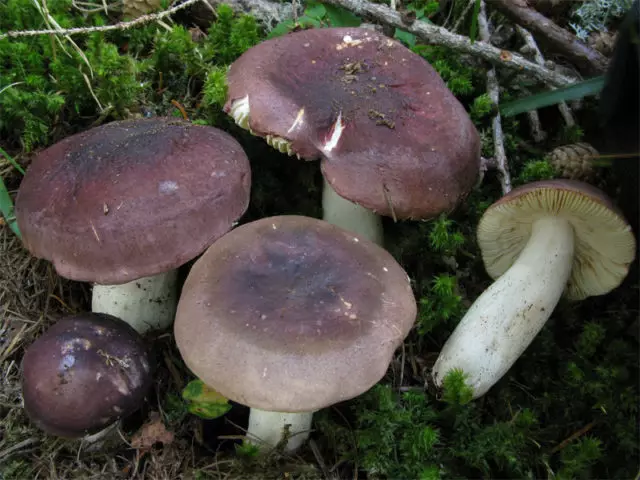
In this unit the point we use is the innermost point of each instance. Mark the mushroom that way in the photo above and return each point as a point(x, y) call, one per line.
point(125, 204)
point(288, 315)
point(538, 242)
point(83, 374)
point(392, 139)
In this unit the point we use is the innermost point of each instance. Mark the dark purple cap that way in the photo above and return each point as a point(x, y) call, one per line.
point(84, 373)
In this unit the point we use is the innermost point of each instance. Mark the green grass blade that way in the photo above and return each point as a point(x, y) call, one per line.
point(10, 159)
point(6, 207)
point(553, 97)
point(473, 32)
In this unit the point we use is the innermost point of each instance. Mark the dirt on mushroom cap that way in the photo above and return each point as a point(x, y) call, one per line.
point(133, 198)
point(392, 137)
point(305, 313)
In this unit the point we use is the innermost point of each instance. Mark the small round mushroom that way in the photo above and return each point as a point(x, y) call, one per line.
point(540, 241)
point(125, 204)
point(392, 139)
point(289, 315)
point(83, 374)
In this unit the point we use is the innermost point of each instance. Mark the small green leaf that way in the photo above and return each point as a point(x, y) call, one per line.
point(405, 37)
point(198, 391)
point(208, 411)
point(307, 22)
point(204, 401)
point(281, 29)
point(315, 10)
point(577, 90)
point(340, 17)
point(193, 390)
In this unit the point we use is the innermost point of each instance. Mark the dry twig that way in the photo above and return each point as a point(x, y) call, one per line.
point(493, 89)
point(532, 46)
point(573, 436)
point(537, 131)
point(435, 35)
point(118, 26)
point(590, 61)
point(462, 16)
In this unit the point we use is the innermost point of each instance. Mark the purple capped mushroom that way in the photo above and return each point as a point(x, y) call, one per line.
point(391, 137)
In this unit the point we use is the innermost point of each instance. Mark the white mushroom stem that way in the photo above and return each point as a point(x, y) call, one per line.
point(148, 303)
point(350, 216)
point(505, 319)
point(267, 429)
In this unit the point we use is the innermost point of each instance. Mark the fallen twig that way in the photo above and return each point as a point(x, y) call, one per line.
point(493, 89)
point(588, 60)
point(17, 447)
point(531, 45)
point(462, 16)
point(104, 28)
point(537, 131)
point(435, 35)
point(573, 436)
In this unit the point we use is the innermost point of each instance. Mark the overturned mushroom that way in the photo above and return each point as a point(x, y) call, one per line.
point(125, 204)
point(393, 139)
point(540, 241)
point(83, 374)
point(290, 314)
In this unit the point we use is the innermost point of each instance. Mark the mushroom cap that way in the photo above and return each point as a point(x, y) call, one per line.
point(604, 242)
point(133, 198)
point(292, 314)
point(391, 135)
point(84, 373)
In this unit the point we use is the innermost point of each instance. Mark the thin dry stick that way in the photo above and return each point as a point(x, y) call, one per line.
point(572, 437)
point(118, 26)
point(493, 89)
point(466, 10)
point(18, 446)
point(537, 132)
point(531, 44)
point(589, 60)
point(435, 35)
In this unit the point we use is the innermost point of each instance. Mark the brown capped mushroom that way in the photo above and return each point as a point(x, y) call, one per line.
point(392, 138)
point(291, 314)
point(540, 241)
point(125, 204)
point(83, 374)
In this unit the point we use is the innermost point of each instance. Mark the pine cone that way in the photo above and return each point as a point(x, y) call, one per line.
point(574, 161)
point(136, 8)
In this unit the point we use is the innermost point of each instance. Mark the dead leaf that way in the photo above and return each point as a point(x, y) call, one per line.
point(152, 432)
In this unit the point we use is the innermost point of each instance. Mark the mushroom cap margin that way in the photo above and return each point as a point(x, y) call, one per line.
point(293, 314)
point(132, 198)
point(604, 242)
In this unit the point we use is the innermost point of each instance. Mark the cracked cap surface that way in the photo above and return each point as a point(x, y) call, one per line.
point(131, 199)
point(390, 134)
point(604, 242)
point(293, 314)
